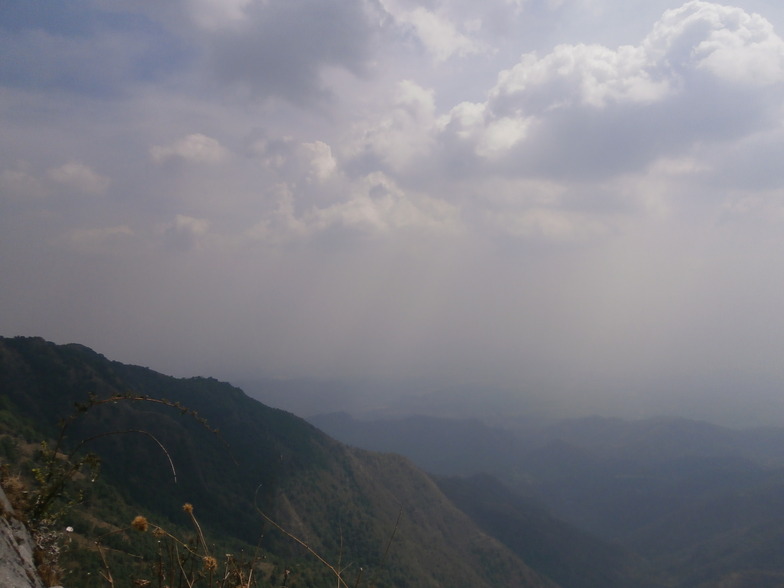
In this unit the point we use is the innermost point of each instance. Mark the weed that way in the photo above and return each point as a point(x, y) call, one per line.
point(179, 562)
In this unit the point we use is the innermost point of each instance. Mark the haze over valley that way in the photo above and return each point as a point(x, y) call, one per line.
point(573, 201)
point(575, 503)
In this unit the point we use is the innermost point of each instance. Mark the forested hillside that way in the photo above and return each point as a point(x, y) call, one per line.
point(358, 510)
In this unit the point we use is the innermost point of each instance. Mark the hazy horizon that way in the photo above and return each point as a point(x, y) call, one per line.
point(577, 200)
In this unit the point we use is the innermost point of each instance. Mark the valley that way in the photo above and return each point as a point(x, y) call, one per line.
point(411, 501)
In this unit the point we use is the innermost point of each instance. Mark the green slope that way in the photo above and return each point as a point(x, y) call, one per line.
point(343, 502)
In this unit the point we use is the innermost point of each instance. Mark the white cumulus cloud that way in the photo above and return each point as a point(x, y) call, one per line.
point(439, 36)
point(79, 177)
point(730, 43)
point(194, 148)
point(216, 14)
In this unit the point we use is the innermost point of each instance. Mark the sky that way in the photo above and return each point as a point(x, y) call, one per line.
point(578, 198)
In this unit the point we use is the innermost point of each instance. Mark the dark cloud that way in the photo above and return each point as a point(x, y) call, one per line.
point(280, 48)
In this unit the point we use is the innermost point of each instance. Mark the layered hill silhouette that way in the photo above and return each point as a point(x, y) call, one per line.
point(584, 503)
point(701, 505)
point(345, 503)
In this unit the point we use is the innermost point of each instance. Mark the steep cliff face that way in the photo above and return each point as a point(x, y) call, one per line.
point(16, 550)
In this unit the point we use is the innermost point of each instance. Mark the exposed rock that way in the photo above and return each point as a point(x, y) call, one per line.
point(17, 569)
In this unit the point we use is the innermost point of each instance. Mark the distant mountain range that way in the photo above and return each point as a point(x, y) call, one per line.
point(702, 505)
point(587, 503)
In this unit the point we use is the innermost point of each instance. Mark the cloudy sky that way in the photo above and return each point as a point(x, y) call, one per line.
point(572, 196)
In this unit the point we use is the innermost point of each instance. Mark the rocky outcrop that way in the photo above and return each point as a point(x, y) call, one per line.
point(17, 569)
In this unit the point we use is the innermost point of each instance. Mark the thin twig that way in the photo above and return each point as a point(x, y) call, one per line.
point(198, 529)
point(141, 432)
point(389, 544)
point(108, 574)
point(359, 577)
point(293, 537)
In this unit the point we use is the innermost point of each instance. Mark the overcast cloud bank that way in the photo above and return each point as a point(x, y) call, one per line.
point(572, 197)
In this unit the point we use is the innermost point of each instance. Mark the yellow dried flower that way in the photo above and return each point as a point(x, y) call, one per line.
point(158, 532)
point(139, 523)
point(210, 563)
point(187, 507)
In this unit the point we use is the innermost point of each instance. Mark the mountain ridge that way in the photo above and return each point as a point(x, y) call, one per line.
point(699, 502)
point(343, 501)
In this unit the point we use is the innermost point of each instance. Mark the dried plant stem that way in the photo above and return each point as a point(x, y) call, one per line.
point(107, 573)
point(389, 544)
point(140, 432)
point(313, 552)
